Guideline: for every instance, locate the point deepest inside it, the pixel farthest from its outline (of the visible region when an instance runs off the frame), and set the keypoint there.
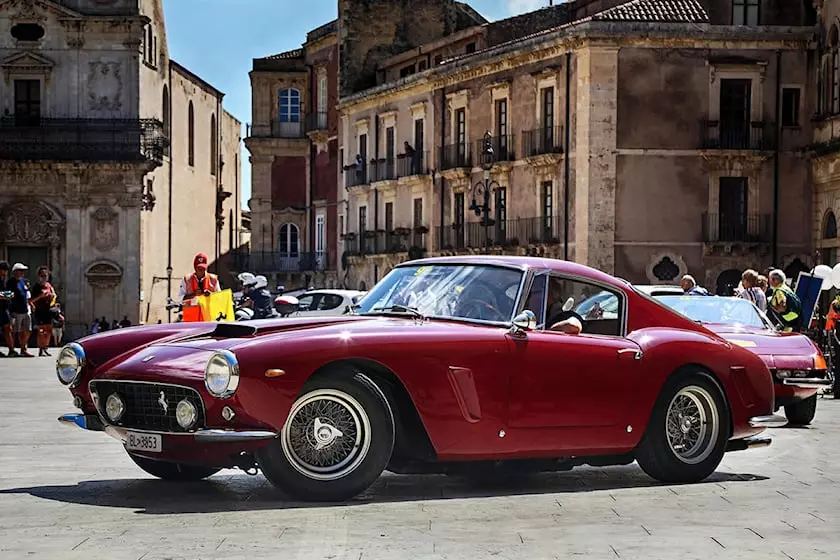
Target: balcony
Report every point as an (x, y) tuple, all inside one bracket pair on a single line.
[(381, 242), (383, 170), (453, 156), (415, 164), (277, 129), (355, 176), (279, 262), (755, 136), (734, 228), (505, 234), (503, 150), (542, 141), (316, 121), (82, 139)]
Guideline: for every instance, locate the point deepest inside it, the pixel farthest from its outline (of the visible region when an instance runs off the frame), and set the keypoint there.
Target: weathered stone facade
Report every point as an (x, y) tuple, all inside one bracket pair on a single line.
[(656, 180), (89, 102)]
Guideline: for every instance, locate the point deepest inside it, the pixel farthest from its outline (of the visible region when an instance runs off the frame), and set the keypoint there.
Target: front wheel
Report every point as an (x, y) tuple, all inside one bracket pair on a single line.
[(167, 470), (803, 412), (336, 441), (686, 437)]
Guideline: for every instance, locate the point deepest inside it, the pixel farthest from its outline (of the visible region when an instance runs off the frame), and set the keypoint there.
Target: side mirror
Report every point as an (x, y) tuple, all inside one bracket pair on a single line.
[(569, 304), (525, 321)]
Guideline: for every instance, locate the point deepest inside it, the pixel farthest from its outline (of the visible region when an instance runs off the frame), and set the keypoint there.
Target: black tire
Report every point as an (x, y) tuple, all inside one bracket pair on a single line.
[(353, 403), (656, 454), (167, 470), (803, 412), (836, 388)]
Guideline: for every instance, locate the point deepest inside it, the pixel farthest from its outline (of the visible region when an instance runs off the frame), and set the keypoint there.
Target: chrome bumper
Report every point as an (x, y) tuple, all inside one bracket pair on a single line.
[(807, 382), (770, 421), (753, 442), (93, 423)]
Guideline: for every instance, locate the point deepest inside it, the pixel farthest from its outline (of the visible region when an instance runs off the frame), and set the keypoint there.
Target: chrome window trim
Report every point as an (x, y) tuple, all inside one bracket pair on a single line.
[(107, 423), (616, 290)]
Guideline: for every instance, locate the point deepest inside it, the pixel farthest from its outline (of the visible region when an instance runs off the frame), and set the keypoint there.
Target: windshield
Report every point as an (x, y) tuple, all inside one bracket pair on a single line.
[(479, 292), (716, 310)]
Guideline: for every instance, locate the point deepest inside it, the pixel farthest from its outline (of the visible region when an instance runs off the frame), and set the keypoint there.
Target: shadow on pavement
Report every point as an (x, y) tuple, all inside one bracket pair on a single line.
[(252, 493)]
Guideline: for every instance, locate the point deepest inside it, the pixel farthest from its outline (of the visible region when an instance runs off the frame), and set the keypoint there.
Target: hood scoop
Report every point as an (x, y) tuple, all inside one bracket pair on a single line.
[(234, 330)]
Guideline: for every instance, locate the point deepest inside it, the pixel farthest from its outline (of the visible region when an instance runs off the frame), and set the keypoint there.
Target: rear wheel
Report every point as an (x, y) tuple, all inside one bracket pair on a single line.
[(167, 470), (686, 437), (803, 412), (336, 441)]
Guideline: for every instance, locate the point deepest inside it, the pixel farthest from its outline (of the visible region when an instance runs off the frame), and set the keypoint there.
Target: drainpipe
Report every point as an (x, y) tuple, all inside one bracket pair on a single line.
[(566, 159), (169, 210), (440, 162), (310, 219), (776, 159), (218, 178)]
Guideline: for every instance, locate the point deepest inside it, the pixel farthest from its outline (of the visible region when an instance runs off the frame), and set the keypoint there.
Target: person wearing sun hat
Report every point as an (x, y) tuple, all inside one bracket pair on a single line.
[(200, 281), (19, 308)]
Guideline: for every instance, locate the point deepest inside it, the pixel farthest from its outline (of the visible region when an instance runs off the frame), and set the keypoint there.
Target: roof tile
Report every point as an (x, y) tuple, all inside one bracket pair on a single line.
[(668, 11)]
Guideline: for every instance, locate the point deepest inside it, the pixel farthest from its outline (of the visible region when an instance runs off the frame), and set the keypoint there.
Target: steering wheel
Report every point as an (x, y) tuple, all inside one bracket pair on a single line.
[(478, 308)]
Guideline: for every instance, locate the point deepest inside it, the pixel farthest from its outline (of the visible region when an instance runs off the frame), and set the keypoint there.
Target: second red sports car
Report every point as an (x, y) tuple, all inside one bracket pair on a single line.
[(448, 365)]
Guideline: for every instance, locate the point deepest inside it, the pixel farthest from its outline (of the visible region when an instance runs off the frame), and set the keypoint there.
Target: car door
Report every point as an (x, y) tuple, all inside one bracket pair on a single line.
[(573, 380)]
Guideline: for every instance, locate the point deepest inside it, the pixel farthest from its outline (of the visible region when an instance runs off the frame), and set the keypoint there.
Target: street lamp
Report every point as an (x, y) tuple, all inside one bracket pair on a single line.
[(482, 189)]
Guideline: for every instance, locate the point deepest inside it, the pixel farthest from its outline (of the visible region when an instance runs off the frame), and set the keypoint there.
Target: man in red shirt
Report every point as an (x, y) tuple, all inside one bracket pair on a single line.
[(199, 282)]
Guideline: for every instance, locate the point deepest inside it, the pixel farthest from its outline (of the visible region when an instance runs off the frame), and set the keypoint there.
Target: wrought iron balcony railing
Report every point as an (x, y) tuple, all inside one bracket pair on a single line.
[(736, 228), (455, 155), (277, 129), (355, 175), (279, 261), (383, 170), (505, 233), (378, 242), (414, 164), (82, 139), (503, 150), (547, 140), (723, 135), (317, 121)]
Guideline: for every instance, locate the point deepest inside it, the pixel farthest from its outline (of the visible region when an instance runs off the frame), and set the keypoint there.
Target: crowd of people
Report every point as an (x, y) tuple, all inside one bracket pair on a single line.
[(101, 325), (25, 307)]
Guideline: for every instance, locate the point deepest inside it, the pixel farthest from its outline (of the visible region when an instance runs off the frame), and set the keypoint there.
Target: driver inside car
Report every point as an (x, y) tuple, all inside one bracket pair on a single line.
[(561, 316)]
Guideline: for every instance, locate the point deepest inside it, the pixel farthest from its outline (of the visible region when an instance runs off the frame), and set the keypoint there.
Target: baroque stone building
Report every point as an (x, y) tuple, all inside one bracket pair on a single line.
[(646, 138), (116, 163)]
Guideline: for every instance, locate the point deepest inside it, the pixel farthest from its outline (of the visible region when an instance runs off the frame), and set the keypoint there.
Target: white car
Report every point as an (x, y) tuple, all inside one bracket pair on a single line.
[(315, 303), (660, 290)]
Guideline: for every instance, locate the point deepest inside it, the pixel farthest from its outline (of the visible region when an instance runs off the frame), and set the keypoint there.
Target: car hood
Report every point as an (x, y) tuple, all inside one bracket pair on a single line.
[(777, 349)]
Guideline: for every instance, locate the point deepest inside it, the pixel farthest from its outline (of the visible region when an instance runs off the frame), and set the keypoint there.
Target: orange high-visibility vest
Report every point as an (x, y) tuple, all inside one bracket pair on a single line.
[(211, 282)]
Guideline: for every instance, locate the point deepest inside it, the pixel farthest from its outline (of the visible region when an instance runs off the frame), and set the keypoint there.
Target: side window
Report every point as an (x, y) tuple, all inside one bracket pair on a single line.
[(305, 303), (536, 298), (601, 309), (329, 301)]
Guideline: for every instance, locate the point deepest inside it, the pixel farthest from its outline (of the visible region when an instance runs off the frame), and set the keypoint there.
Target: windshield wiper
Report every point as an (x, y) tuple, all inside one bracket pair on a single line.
[(399, 309)]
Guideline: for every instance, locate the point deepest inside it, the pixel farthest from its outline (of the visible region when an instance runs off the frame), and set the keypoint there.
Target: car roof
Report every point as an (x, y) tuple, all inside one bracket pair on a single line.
[(670, 289), (350, 293), (524, 263)]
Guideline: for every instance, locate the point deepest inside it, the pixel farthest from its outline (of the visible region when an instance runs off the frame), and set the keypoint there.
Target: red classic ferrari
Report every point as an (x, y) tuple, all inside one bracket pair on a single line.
[(796, 363), (447, 365)]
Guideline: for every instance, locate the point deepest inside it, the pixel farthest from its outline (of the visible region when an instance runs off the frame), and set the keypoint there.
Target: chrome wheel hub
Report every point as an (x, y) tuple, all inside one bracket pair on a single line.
[(326, 435), (692, 424)]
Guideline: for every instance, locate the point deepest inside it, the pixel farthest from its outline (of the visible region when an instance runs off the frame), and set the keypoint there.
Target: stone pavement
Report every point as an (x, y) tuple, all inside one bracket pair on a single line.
[(67, 494)]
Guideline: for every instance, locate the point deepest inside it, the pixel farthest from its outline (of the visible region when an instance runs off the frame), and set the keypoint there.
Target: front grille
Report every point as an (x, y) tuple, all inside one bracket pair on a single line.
[(143, 408)]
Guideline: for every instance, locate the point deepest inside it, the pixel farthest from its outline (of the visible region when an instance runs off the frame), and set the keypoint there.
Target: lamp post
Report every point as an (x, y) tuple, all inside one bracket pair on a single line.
[(481, 190)]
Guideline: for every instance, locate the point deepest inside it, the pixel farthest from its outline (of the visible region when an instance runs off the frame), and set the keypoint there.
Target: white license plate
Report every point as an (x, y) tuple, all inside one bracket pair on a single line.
[(152, 443)]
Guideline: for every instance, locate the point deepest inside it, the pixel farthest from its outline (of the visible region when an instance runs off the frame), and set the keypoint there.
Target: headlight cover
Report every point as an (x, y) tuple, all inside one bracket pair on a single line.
[(69, 364), (221, 374)]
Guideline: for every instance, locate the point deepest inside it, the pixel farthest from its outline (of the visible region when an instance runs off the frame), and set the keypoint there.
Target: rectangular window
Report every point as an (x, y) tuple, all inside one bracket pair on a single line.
[(547, 196), (421, 65), (461, 136), (407, 71), (418, 212), (735, 113), (732, 209), (389, 216), (790, 106), (835, 82), (438, 59), (419, 140), (320, 235), (341, 225), (322, 94), (501, 129), (501, 209), (458, 220), (745, 12), (362, 219), (547, 110), (363, 147), (390, 153), (27, 102), (470, 48)]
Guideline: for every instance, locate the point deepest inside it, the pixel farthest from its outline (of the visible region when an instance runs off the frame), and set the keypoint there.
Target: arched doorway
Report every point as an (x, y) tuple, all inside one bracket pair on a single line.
[(31, 233), (793, 269), (727, 282)]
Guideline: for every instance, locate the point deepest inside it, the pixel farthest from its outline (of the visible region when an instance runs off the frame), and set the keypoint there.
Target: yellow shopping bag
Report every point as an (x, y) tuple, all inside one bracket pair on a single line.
[(218, 306)]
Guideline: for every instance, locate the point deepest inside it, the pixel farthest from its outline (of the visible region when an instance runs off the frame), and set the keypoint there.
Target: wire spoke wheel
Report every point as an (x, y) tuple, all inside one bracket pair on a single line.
[(327, 435), (692, 424)]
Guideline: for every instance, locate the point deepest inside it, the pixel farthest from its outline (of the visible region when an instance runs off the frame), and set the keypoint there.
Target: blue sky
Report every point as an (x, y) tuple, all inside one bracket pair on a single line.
[(218, 43)]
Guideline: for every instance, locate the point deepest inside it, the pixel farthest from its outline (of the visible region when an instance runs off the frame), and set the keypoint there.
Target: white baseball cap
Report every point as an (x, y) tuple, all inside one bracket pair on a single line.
[(19, 266)]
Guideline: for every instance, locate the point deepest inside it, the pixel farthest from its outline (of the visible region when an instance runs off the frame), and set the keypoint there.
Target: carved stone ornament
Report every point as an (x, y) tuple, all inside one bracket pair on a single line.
[(26, 11), (104, 86), (105, 230), (103, 275), (29, 222)]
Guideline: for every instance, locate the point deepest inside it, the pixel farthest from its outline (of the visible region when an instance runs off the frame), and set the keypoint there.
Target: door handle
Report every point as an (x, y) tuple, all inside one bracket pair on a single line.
[(638, 353)]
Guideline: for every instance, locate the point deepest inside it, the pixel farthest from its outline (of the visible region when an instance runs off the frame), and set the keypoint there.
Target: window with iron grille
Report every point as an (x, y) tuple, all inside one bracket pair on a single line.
[(27, 102), (547, 206), (790, 106), (501, 209), (745, 12)]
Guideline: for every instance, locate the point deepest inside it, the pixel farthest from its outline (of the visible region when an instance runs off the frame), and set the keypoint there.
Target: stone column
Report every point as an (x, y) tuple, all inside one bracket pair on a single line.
[(260, 201), (130, 206), (595, 177)]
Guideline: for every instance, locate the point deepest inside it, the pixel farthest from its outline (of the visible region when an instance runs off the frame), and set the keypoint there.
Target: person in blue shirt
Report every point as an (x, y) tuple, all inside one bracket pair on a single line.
[(19, 308), (690, 287), (5, 314)]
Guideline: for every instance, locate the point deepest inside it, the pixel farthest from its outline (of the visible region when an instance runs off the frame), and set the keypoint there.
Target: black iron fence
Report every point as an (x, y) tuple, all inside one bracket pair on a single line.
[(355, 175), (547, 140), (82, 139), (413, 164), (505, 233), (383, 170), (455, 155), (316, 121), (378, 242), (278, 261), (740, 135), (277, 129), (734, 228), (503, 150)]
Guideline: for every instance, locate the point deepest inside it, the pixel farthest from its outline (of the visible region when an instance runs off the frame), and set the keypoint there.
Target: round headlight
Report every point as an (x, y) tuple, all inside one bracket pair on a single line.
[(221, 375), (186, 414), (114, 407), (69, 364)]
